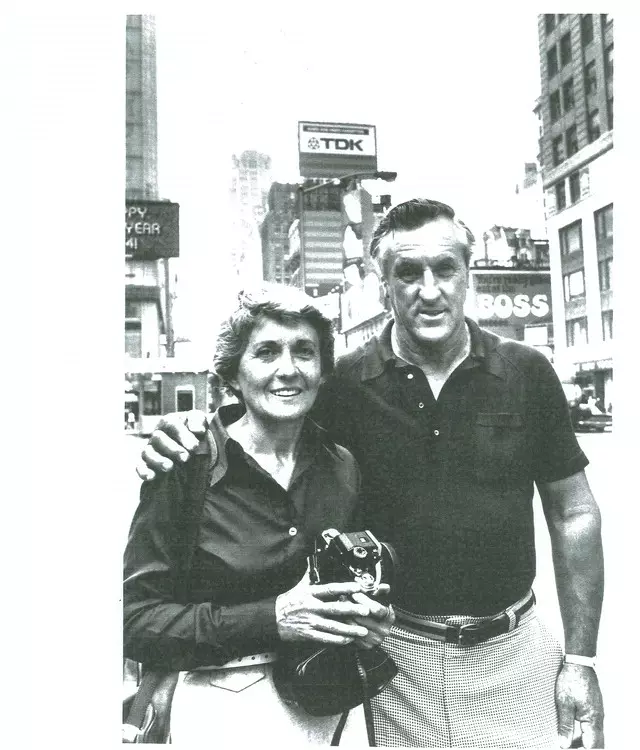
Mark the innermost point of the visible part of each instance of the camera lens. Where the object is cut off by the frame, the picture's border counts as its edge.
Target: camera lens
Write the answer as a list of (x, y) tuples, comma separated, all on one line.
[(360, 552)]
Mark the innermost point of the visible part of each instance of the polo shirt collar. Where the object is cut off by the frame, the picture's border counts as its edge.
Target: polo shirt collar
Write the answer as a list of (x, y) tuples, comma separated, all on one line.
[(379, 353)]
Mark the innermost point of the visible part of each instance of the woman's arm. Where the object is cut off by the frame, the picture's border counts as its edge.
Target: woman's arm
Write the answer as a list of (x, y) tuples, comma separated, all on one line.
[(162, 631)]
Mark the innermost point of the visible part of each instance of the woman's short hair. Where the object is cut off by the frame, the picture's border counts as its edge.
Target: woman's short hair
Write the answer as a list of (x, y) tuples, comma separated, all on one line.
[(283, 304)]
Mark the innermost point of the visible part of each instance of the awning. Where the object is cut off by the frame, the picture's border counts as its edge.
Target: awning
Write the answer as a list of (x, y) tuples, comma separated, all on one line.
[(130, 398)]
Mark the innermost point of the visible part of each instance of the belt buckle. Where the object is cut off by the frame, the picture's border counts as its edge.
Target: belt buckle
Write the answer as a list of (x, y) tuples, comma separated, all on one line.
[(469, 634)]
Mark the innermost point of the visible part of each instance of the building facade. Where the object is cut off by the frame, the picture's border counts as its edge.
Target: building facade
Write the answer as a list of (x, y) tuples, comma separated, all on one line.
[(144, 279), (576, 151), (282, 211), (248, 194)]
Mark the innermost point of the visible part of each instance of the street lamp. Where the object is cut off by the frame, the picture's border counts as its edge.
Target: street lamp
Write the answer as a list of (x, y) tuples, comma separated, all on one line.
[(302, 191)]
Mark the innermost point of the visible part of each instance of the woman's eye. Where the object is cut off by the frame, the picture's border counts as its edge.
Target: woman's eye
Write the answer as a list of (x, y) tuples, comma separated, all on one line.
[(265, 352)]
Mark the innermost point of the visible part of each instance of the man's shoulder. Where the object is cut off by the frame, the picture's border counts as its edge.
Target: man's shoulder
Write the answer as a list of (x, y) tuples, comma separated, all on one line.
[(349, 365), (516, 354)]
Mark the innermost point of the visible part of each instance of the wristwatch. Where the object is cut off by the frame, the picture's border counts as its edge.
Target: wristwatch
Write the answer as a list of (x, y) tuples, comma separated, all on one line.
[(583, 661)]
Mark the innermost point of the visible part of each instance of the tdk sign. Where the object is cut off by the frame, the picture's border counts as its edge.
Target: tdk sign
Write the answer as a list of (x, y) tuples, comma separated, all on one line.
[(338, 144), (333, 149)]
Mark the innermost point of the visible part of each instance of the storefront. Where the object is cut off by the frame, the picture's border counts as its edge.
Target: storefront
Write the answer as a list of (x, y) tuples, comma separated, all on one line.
[(154, 387)]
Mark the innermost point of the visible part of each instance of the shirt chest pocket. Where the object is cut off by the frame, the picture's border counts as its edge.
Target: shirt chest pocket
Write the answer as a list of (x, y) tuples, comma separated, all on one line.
[(500, 449)]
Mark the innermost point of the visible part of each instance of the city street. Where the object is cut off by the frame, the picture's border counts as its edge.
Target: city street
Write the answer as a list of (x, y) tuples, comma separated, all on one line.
[(600, 450)]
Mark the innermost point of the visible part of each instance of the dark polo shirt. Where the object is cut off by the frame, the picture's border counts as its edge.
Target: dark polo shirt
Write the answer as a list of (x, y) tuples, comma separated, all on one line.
[(450, 482)]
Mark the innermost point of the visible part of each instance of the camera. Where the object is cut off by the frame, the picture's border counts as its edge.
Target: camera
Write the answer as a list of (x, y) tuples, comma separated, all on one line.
[(356, 556)]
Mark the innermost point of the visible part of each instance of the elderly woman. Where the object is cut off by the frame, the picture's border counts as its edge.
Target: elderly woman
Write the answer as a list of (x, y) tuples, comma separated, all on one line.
[(275, 482)]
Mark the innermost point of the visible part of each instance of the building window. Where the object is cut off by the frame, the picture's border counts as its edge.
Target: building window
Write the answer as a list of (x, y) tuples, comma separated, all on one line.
[(549, 22), (565, 49), (604, 224), (133, 339), (561, 196), (605, 269), (577, 332), (573, 285), (608, 62), (561, 16), (571, 238), (558, 151), (567, 94), (552, 61), (572, 140), (554, 106), (610, 113), (590, 78), (607, 325), (594, 125), (574, 187), (184, 398), (586, 28)]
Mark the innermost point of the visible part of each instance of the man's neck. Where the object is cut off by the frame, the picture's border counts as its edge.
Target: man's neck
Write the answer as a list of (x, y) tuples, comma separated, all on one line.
[(434, 360)]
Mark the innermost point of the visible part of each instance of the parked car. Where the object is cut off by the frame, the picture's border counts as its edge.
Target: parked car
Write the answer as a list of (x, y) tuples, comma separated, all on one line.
[(588, 419)]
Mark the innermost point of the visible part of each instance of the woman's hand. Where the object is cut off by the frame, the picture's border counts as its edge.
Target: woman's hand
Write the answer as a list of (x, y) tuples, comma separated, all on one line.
[(378, 623), (327, 613)]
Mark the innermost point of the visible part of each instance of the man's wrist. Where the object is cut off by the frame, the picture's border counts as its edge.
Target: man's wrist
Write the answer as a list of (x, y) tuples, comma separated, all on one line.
[(582, 661)]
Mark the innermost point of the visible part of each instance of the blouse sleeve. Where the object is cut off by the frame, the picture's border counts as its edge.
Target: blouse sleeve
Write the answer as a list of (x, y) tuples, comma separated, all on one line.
[(162, 631)]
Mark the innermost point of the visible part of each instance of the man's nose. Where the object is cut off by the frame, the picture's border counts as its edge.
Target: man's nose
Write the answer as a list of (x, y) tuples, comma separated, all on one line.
[(429, 288)]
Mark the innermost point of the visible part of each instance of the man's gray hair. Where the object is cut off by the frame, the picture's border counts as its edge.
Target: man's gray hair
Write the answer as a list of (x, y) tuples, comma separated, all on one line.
[(413, 214)]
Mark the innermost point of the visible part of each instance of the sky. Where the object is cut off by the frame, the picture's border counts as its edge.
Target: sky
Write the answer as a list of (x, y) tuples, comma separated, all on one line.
[(451, 97)]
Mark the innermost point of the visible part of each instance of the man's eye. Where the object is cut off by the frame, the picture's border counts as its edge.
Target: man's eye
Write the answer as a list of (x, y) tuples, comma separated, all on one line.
[(446, 269), (408, 273)]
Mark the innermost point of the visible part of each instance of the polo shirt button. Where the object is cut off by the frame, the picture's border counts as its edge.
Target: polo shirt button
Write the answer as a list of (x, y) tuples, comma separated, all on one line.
[(410, 376), (293, 531), (436, 432), (421, 405)]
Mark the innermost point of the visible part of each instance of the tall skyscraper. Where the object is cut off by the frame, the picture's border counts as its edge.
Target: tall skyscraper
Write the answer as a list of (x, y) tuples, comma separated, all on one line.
[(144, 279), (576, 142), (250, 184)]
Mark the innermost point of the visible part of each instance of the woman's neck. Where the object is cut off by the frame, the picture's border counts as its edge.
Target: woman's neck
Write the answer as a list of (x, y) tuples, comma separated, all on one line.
[(276, 439)]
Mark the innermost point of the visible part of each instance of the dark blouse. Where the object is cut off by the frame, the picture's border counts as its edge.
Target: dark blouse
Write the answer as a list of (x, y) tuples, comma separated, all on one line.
[(253, 540)]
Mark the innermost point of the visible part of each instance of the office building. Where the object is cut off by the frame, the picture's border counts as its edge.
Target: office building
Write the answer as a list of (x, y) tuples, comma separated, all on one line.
[(274, 231), (576, 108)]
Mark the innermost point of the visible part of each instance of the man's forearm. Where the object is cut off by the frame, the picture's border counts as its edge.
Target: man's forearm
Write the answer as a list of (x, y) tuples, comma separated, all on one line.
[(579, 570)]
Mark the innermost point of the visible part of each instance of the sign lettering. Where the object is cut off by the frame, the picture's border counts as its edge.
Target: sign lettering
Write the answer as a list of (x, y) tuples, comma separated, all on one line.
[(509, 297), (151, 229)]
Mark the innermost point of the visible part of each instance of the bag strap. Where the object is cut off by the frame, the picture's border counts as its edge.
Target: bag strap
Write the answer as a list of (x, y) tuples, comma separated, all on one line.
[(205, 456), (366, 705)]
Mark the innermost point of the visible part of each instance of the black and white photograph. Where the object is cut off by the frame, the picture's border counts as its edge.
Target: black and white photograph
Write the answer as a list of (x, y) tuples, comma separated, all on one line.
[(347, 447)]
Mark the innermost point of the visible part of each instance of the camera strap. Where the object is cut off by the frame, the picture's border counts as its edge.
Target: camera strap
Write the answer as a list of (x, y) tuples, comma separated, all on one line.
[(366, 705)]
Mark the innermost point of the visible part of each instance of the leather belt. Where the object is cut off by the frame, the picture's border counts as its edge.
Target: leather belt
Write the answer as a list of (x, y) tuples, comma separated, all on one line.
[(242, 661), (472, 633)]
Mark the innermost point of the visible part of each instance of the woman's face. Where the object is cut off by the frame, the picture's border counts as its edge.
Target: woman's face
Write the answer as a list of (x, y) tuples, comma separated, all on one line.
[(280, 371)]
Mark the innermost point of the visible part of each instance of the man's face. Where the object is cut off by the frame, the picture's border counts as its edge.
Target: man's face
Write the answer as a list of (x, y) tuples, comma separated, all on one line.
[(426, 278)]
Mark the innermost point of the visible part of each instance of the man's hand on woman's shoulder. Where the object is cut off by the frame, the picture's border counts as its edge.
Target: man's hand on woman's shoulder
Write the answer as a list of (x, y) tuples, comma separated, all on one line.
[(176, 435)]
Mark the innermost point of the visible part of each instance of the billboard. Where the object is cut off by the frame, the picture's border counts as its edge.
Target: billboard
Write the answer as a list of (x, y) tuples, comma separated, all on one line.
[(334, 149), (514, 297), (151, 229)]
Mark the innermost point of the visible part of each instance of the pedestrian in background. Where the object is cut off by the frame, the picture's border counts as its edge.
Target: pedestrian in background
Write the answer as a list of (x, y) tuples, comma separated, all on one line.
[(453, 427)]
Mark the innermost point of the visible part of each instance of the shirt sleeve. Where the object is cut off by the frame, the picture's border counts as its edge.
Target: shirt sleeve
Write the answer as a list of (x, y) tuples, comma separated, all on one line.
[(160, 629), (557, 452)]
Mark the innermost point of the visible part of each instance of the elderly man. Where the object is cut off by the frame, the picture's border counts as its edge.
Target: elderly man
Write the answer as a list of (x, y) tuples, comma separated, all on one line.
[(452, 426)]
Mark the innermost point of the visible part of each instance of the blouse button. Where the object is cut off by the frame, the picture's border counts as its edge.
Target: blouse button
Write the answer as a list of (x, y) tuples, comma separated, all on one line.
[(421, 405), (293, 531)]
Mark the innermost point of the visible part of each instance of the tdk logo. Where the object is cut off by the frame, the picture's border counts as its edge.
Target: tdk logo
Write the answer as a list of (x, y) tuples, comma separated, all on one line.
[(335, 144)]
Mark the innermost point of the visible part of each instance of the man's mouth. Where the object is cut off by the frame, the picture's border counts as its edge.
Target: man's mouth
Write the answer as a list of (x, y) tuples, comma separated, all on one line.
[(432, 313)]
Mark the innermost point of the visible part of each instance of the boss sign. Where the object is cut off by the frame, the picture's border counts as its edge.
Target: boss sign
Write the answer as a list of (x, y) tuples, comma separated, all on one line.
[(515, 297)]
